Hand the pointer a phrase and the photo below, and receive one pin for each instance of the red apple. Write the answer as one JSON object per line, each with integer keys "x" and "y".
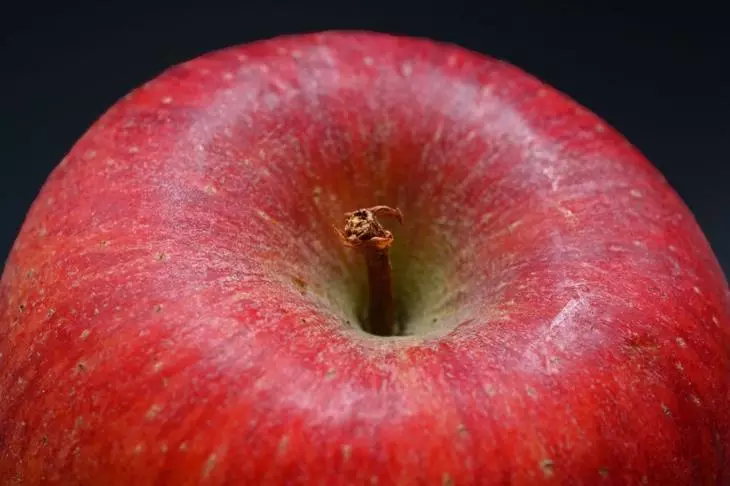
{"x": 178, "y": 310}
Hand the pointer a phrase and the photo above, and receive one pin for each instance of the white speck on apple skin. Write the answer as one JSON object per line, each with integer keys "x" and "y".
{"x": 406, "y": 69}
{"x": 208, "y": 466}
{"x": 153, "y": 411}
{"x": 548, "y": 467}
{"x": 79, "y": 422}
{"x": 283, "y": 443}
{"x": 346, "y": 452}
{"x": 80, "y": 367}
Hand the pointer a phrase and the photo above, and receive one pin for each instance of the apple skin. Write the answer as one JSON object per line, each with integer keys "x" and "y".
{"x": 177, "y": 309}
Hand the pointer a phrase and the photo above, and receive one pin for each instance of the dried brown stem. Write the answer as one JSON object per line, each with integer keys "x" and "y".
{"x": 364, "y": 232}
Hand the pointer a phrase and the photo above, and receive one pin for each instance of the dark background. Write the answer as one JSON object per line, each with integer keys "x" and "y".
{"x": 657, "y": 76}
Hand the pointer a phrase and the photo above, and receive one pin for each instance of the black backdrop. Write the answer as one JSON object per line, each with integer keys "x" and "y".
{"x": 657, "y": 76}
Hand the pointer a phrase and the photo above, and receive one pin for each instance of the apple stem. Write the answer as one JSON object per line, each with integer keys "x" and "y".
{"x": 381, "y": 310}
{"x": 364, "y": 232}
